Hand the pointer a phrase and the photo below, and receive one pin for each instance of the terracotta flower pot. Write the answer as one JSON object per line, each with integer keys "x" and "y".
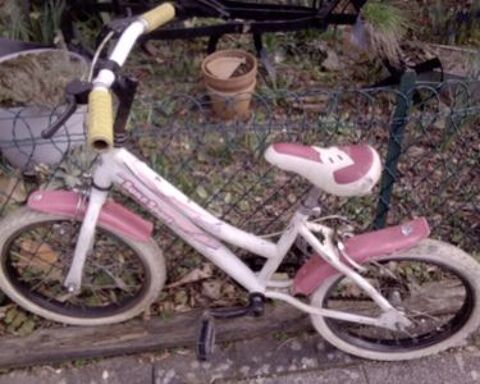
{"x": 230, "y": 78}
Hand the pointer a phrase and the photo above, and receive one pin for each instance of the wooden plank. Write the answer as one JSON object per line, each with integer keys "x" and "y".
{"x": 54, "y": 345}
{"x": 47, "y": 346}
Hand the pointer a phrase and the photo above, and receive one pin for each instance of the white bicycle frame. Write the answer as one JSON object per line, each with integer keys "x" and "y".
{"x": 205, "y": 233}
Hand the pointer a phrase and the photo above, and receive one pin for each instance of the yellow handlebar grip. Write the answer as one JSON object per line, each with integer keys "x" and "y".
{"x": 100, "y": 120}
{"x": 158, "y": 16}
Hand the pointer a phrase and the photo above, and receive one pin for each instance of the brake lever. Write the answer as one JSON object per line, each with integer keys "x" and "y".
{"x": 76, "y": 93}
{"x": 70, "y": 110}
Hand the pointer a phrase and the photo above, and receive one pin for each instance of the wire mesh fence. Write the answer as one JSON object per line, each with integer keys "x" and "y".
{"x": 427, "y": 135}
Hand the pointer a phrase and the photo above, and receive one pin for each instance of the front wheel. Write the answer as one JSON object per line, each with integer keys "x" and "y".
{"x": 121, "y": 277}
{"x": 435, "y": 284}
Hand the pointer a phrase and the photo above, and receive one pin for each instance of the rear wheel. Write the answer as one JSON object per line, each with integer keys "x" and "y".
{"x": 436, "y": 284}
{"x": 120, "y": 279}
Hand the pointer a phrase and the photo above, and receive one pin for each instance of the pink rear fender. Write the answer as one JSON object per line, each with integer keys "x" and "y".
{"x": 113, "y": 216}
{"x": 362, "y": 248}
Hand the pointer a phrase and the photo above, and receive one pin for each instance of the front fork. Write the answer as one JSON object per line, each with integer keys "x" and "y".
{"x": 97, "y": 196}
{"x": 73, "y": 281}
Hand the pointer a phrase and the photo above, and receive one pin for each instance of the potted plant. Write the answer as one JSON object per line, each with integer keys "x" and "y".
{"x": 230, "y": 78}
{"x": 32, "y": 85}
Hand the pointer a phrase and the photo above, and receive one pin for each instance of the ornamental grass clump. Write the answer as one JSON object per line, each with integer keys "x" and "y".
{"x": 38, "y": 79}
{"x": 35, "y": 21}
{"x": 385, "y": 25}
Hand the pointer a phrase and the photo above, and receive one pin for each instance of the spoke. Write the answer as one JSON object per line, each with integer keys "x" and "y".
{"x": 35, "y": 287}
{"x": 121, "y": 284}
{"x": 42, "y": 276}
{"x": 417, "y": 313}
{"x": 428, "y": 294}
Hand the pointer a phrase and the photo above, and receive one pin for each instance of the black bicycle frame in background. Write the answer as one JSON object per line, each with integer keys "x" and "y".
{"x": 240, "y": 17}
{"x": 258, "y": 18}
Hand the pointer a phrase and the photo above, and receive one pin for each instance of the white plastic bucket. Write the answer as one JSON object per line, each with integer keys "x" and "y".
{"x": 20, "y": 129}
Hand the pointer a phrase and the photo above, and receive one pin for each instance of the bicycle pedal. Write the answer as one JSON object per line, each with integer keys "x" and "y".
{"x": 206, "y": 338}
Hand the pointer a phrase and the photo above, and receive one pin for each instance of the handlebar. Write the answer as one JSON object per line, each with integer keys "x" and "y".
{"x": 100, "y": 119}
{"x": 158, "y": 16}
{"x": 100, "y": 106}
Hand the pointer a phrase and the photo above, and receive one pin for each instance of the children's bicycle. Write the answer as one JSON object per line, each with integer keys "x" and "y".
{"x": 81, "y": 259}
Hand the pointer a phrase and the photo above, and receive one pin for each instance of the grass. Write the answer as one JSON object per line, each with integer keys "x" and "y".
{"x": 39, "y": 23}
{"x": 385, "y": 18}
{"x": 385, "y": 26}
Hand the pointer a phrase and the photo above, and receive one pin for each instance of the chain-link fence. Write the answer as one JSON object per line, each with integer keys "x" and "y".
{"x": 427, "y": 134}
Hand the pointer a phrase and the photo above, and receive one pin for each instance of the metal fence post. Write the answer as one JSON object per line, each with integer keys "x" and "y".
{"x": 397, "y": 130}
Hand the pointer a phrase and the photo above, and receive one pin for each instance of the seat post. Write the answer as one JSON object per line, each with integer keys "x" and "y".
{"x": 311, "y": 201}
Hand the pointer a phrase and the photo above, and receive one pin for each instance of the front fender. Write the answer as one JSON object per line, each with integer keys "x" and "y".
{"x": 113, "y": 216}
{"x": 361, "y": 248}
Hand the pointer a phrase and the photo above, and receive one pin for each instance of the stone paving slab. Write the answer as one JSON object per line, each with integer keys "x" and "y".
{"x": 182, "y": 367}
{"x": 281, "y": 359}
{"x": 446, "y": 368}
{"x": 330, "y": 376}
{"x": 119, "y": 370}
{"x": 256, "y": 357}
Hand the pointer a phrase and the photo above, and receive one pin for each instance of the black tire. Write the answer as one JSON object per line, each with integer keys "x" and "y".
{"x": 121, "y": 279}
{"x": 436, "y": 268}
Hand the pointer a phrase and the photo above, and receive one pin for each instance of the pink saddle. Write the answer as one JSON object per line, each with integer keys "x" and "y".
{"x": 350, "y": 170}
